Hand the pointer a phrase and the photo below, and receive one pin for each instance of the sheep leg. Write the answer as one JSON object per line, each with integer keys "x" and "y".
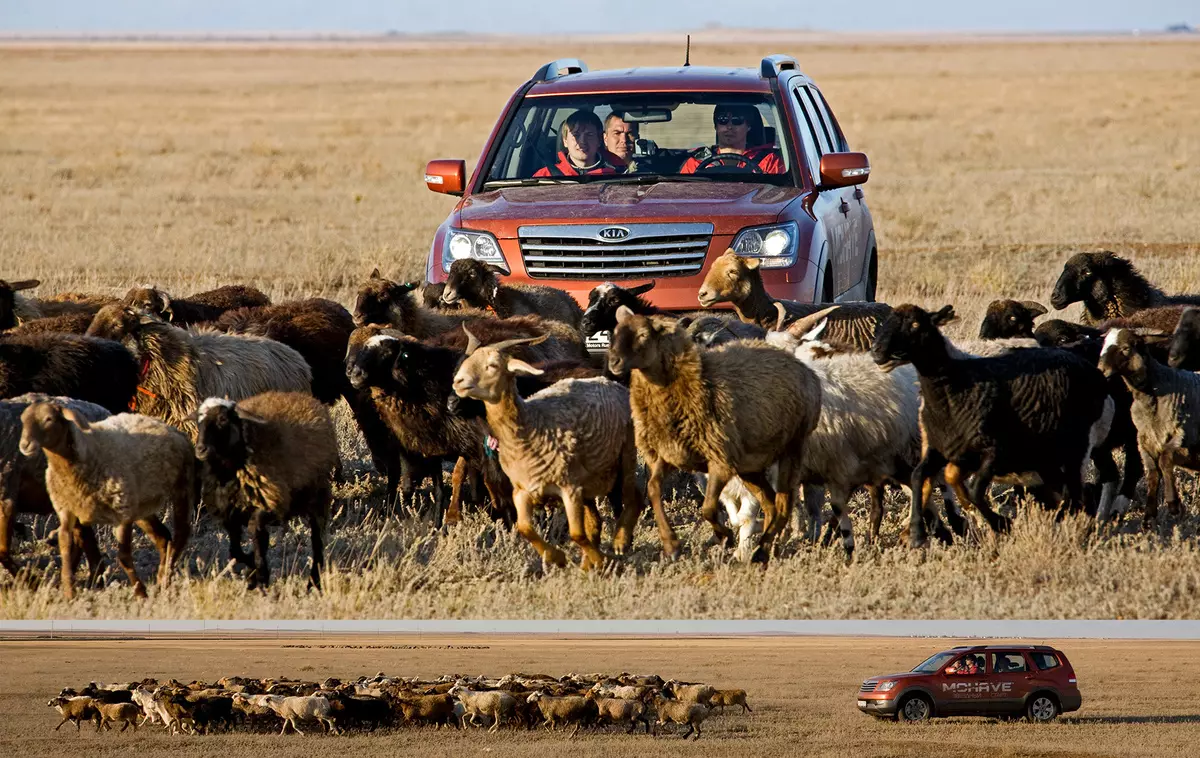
{"x": 1153, "y": 480}
{"x": 158, "y": 534}
{"x": 593, "y": 523}
{"x": 718, "y": 477}
{"x": 690, "y": 728}
{"x": 85, "y": 537}
{"x": 775, "y": 517}
{"x": 261, "y": 576}
{"x": 124, "y": 534}
{"x": 1166, "y": 465}
{"x": 931, "y": 464}
{"x": 578, "y": 527}
{"x": 1107, "y": 476}
{"x": 670, "y": 543}
{"x": 316, "y": 528}
{"x": 454, "y": 513}
{"x": 980, "y": 494}
{"x": 65, "y": 720}
{"x": 814, "y": 501}
{"x": 8, "y": 508}
{"x": 235, "y": 520}
{"x": 1130, "y": 477}
{"x": 66, "y": 551}
{"x": 876, "y": 493}
{"x": 551, "y": 556}
{"x": 838, "y": 498}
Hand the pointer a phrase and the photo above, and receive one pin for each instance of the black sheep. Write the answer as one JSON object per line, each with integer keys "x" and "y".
{"x": 197, "y": 308}
{"x": 1184, "y": 352}
{"x": 605, "y": 299}
{"x": 1028, "y": 411}
{"x": 477, "y": 285}
{"x": 1109, "y": 287}
{"x": 99, "y": 371}
{"x": 1010, "y": 318}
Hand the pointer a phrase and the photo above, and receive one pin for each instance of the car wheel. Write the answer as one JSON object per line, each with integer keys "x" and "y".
{"x": 827, "y": 285}
{"x": 915, "y": 708}
{"x": 1041, "y": 708}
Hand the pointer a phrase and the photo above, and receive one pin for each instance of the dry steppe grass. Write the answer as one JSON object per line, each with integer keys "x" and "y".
{"x": 297, "y": 168}
{"x": 1138, "y": 697}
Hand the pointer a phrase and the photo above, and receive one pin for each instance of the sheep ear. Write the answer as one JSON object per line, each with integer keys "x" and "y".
{"x": 472, "y": 340}
{"x": 375, "y": 274}
{"x": 497, "y": 270}
{"x": 518, "y": 366}
{"x": 1034, "y": 307}
{"x": 642, "y": 289}
{"x": 1153, "y": 336}
{"x": 751, "y": 263}
{"x": 944, "y": 316}
{"x": 624, "y": 314}
{"x": 76, "y": 419}
{"x": 24, "y": 284}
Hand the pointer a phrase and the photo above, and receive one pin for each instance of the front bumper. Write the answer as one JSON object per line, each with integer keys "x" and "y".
{"x": 877, "y": 706}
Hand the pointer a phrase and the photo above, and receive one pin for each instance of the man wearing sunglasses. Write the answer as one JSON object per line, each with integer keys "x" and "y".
{"x": 739, "y": 130}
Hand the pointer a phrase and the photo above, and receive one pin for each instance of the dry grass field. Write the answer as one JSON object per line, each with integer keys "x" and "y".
{"x": 1138, "y": 697}
{"x": 298, "y": 168}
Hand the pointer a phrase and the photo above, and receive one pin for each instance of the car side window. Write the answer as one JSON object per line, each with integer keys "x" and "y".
{"x": 837, "y": 139}
{"x": 1008, "y": 663}
{"x": 1045, "y": 661}
{"x": 808, "y": 136}
{"x": 819, "y": 127}
{"x": 968, "y": 665}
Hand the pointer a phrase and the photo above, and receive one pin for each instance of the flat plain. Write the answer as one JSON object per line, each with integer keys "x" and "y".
{"x": 297, "y": 168}
{"x": 1138, "y": 697}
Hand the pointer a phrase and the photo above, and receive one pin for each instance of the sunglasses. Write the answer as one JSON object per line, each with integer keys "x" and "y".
{"x": 726, "y": 118}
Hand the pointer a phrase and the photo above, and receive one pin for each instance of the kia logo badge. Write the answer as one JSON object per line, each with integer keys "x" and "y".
{"x": 613, "y": 233}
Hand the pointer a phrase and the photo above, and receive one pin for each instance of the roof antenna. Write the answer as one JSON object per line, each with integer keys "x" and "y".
{"x": 687, "y": 52}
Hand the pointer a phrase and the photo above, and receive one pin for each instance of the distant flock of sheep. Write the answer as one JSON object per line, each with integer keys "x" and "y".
{"x": 229, "y": 396}
{"x": 517, "y": 700}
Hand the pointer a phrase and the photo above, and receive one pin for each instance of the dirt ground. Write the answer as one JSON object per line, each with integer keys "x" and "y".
{"x": 1138, "y": 697}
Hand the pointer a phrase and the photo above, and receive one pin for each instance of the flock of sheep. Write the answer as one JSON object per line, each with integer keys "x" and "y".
{"x": 229, "y": 396}
{"x": 516, "y": 700}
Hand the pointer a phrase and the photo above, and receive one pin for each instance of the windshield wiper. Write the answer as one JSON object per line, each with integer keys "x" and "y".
{"x": 500, "y": 183}
{"x": 647, "y": 178}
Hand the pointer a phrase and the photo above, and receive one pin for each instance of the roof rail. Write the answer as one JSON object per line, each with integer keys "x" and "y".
{"x": 559, "y": 68}
{"x": 772, "y": 65}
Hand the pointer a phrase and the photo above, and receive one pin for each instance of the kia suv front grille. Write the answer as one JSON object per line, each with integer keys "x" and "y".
{"x": 614, "y": 251}
{"x": 868, "y": 686}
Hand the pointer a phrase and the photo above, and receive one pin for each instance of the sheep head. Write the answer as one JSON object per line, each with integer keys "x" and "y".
{"x": 1059, "y": 333}
{"x": 8, "y": 300}
{"x": 379, "y": 297}
{"x": 370, "y": 364}
{"x": 910, "y": 333}
{"x": 1185, "y": 342}
{"x": 1010, "y": 318}
{"x": 149, "y": 300}
{"x": 1089, "y": 277}
{"x": 222, "y": 436}
{"x": 117, "y": 321}
{"x": 49, "y": 426}
{"x": 471, "y": 282}
{"x": 487, "y": 373}
{"x": 729, "y": 280}
{"x": 1124, "y": 352}
{"x": 603, "y": 302}
{"x": 644, "y": 342}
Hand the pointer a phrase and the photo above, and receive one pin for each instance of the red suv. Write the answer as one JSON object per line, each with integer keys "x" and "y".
{"x": 986, "y": 680}
{"x": 688, "y": 162}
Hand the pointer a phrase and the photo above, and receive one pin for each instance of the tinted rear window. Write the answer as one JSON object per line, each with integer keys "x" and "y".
{"x": 1045, "y": 661}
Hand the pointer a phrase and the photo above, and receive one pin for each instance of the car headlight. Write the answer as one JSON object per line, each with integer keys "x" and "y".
{"x": 482, "y": 246}
{"x": 774, "y": 245}
{"x": 885, "y": 686}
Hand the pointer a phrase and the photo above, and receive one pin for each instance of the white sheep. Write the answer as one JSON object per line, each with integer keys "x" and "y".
{"x": 495, "y": 704}
{"x": 119, "y": 471}
{"x": 294, "y": 709}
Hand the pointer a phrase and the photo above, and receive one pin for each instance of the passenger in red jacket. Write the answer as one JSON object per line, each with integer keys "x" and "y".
{"x": 581, "y": 151}
{"x": 739, "y": 130}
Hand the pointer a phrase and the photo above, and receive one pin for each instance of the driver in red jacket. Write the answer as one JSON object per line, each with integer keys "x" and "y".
{"x": 739, "y": 130}
{"x": 582, "y": 151}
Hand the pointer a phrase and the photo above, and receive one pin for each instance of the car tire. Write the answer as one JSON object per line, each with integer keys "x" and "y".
{"x": 914, "y": 708}
{"x": 1042, "y": 708}
{"x": 827, "y": 285}
{"x": 872, "y": 278}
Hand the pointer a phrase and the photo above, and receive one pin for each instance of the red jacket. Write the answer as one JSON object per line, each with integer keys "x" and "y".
{"x": 766, "y": 157}
{"x": 564, "y": 167}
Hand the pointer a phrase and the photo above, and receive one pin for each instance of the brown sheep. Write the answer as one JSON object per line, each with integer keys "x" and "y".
{"x": 428, "y": 709}
{"x": 681, "y": 712}
{"x": 195, "y": 309}
{"x": 738, "y": 280}
{"x": 111, "y": 713}
{"x": 382, "y": 301}
{"x": 724, "y": 698}
{"x": 731, "y": 411}
{"x": 75, "y": 709}
{"x": 477, "y": 285}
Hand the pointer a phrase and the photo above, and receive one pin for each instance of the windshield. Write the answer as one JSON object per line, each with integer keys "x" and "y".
{"x": 935, "y": 663}
{"x": 643, "y": 138}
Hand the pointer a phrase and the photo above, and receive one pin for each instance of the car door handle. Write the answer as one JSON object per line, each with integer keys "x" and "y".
{"x": 844, "y": 207}
{"x": 858, "y": 193}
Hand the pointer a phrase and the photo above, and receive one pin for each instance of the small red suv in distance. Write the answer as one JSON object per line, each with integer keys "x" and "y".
{"x": 1036, "y": 681}
{"x": 688, "y": 162}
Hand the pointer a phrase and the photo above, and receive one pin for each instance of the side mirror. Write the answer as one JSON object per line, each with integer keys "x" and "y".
{"x": 446, "y": 176}
{"x": 843, "y": 170}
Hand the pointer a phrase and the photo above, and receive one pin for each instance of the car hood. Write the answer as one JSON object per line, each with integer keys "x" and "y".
{"x": 730, "y": 206}
{"x": 899, "y": 677}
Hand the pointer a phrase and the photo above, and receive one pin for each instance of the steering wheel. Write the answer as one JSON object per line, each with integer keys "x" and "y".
{"x": 739, "y": 161}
